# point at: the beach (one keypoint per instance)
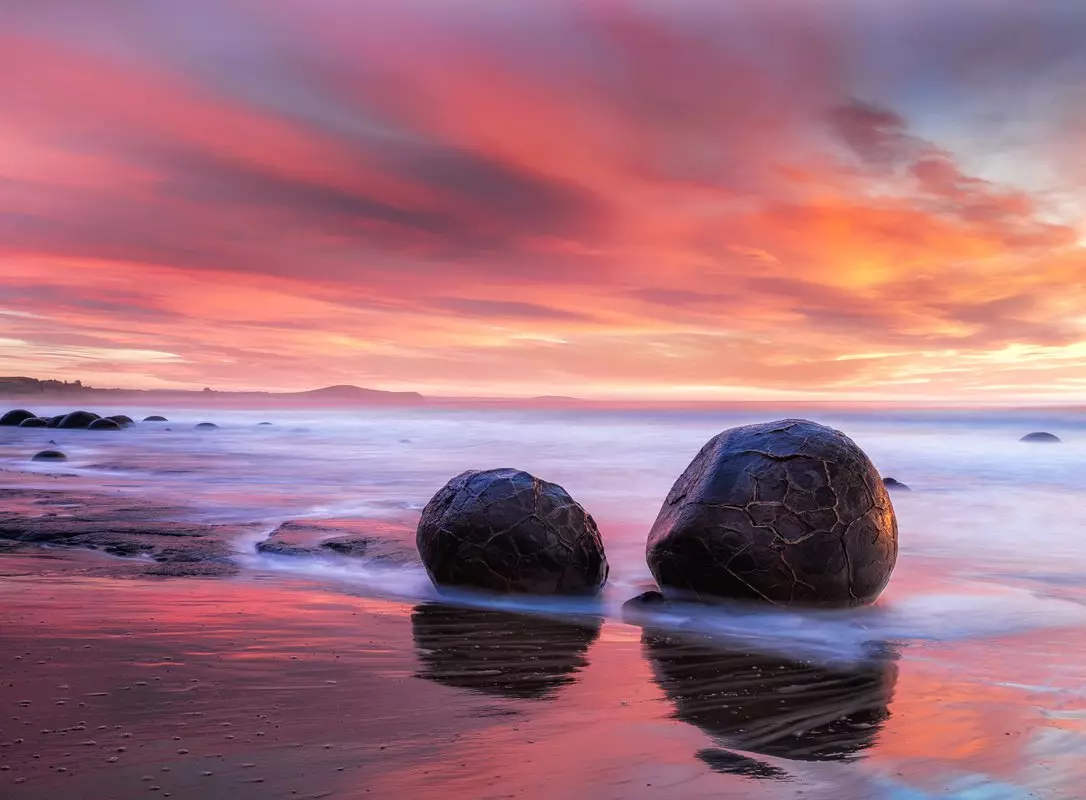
(153, 644)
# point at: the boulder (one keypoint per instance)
(205, 426)
(78, 419)
(788, 512)
(34, 422)
(16, 417)
(54, 422)
(508, 531)
(155, 418)
(1042, 437)
(105, 424)
(123, 420)
(895, 485)
(261, 424)
(49, 455)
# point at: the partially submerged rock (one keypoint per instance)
(122, 419)
(377, 540)
(205, 426)
(34, 422)
(16, 416)
(508, 531)
(894, 484)
(1042, 437)
(49, 455)
(155, 418)
(54, 422)
(787, 512)
(104, 424)
(78, 419)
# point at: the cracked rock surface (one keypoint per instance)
(508, 531)
(788, 512)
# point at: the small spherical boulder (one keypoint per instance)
(122, 419)
(15, 417)
(1041, 437)
(34, 422)
(893, 484)
(205, 426)
(54, 422)
(508, 531)
(155, 418)
(78, 419)
(788, 512)
(49, 455)
(105, 424)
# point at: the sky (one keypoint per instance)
(672, 199)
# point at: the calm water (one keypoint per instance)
(992, 546)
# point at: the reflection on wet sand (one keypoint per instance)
(768, 705)
(499, 652)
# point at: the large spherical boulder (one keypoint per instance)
(788, 512)
(34, 422)
(54, 422)
(105, 424)
(1041, 437)
(122, 419)
(508, 531)
(15, 417)
(78, 419)
(155, 418)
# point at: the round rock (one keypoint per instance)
(508, 531)
(54, 422)
(49, 455)
(34, 422)
(105, 425)
(788, 512)
(16, 417)
(122, 419)
(77, 419)
(205, 426)
(1043, 437)
(155, 418)
(893, 484)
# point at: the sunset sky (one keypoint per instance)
(669, 199)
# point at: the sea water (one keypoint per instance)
(991, 534)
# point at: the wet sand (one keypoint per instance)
(119, 684)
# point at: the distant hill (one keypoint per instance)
(51, 390)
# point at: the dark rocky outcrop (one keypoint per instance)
(787, 512)
(894, 484)
(500, 653)
(377, 540)
(15, 417)
(205, 426)
(769, 705)
(105, 424)
(78, 419)
(34, 422)
(155, 418)
(49, 455)
(508, 531)
(122, 419)
(645, 599)
(1041, 437)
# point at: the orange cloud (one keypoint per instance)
(679, 200)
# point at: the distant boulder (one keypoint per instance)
(508, 531)
(205, 426)
(105, 425)
(34, 422)
(123, 420)
(15, 417)
(49, 455)
(78, 419)
(155, 418)
(895, 485)
(54, 422)
(259, 424)
(1041, 437)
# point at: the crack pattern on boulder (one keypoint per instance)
(508, 531)
(787, 512)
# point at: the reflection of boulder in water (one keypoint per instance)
(500, 652)
(769, 705)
